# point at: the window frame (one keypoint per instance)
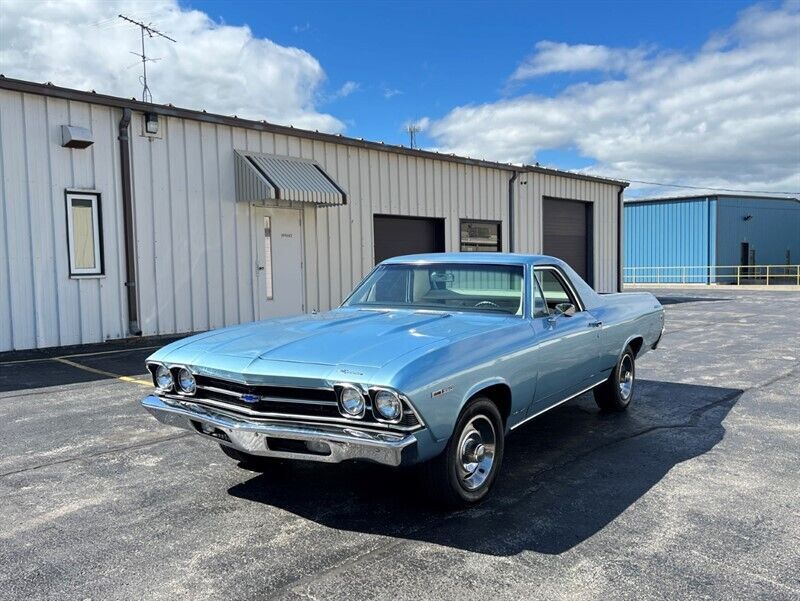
(269, 275)
(97, 223)
(565, 282)
(499, 225)
(536, 288)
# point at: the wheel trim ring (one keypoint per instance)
(476, 452)
(625, 377)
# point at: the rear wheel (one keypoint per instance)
(464, 473)
(246, 460)
(615, 394)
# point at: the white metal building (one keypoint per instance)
(123, 218)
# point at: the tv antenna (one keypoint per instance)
(413, 129)
(150, 31)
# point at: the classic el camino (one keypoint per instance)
(433, 359)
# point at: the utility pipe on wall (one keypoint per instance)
(511, 211)
(127, 218)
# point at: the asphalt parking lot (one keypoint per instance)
(693, 493)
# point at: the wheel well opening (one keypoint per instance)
(636, 345)
(500, 394)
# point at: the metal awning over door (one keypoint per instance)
(267, 177)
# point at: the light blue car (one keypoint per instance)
(432, 359)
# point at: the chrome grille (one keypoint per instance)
(318, 404)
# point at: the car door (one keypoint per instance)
(568, 344)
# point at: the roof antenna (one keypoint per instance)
(151, 31)
(413, 129)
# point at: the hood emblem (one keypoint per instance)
(250, 398)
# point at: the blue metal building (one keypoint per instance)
(720, 238)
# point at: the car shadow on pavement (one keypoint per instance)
(566, 475)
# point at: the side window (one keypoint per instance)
(84, 228)
(554, 289)
(539, 306)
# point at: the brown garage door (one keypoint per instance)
(567, 233)
(396, 236)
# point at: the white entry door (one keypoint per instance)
(279, 264)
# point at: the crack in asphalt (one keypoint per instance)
(137, 445)
(776, 379)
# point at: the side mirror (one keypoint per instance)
(567, 309)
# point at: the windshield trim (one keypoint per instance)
(526, 274)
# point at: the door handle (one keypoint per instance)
(595, 324)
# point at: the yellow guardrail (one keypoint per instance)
(713, 274)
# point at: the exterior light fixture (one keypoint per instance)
(151, 124)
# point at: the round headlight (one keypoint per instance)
(351, 402)
(388, 405)
(186, 381)
(163, 377)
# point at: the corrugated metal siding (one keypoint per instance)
(40, 305)
(196, 245)
(669, 234)
(774, 228)
(529, 227)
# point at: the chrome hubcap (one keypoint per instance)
(626, 377)
(476, 447)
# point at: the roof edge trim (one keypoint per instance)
(168, 110)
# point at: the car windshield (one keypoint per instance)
(443, 286)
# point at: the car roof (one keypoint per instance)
(475, 258)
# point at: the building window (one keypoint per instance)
(84, 233)
(480, 236)
(268, 257)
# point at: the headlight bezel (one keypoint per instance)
(342, 389)
(177, 369)
(157, 373)
(395, 397)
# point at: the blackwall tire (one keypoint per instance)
(616, 393)
(464, 473)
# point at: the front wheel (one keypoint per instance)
(463, 474)
(615, 394)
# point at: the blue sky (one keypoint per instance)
(416, 59)
(704, 94)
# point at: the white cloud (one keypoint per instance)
(728, 115)
(391, 92)
(420, 124)
(220, 68)
(556, 57)
(347, 88)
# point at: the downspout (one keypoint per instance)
(620, 224)
(127, 218)
(511, 211)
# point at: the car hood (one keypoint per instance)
(365, 338)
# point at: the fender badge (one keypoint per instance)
(442, 391)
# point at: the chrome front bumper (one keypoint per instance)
(274, 438)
